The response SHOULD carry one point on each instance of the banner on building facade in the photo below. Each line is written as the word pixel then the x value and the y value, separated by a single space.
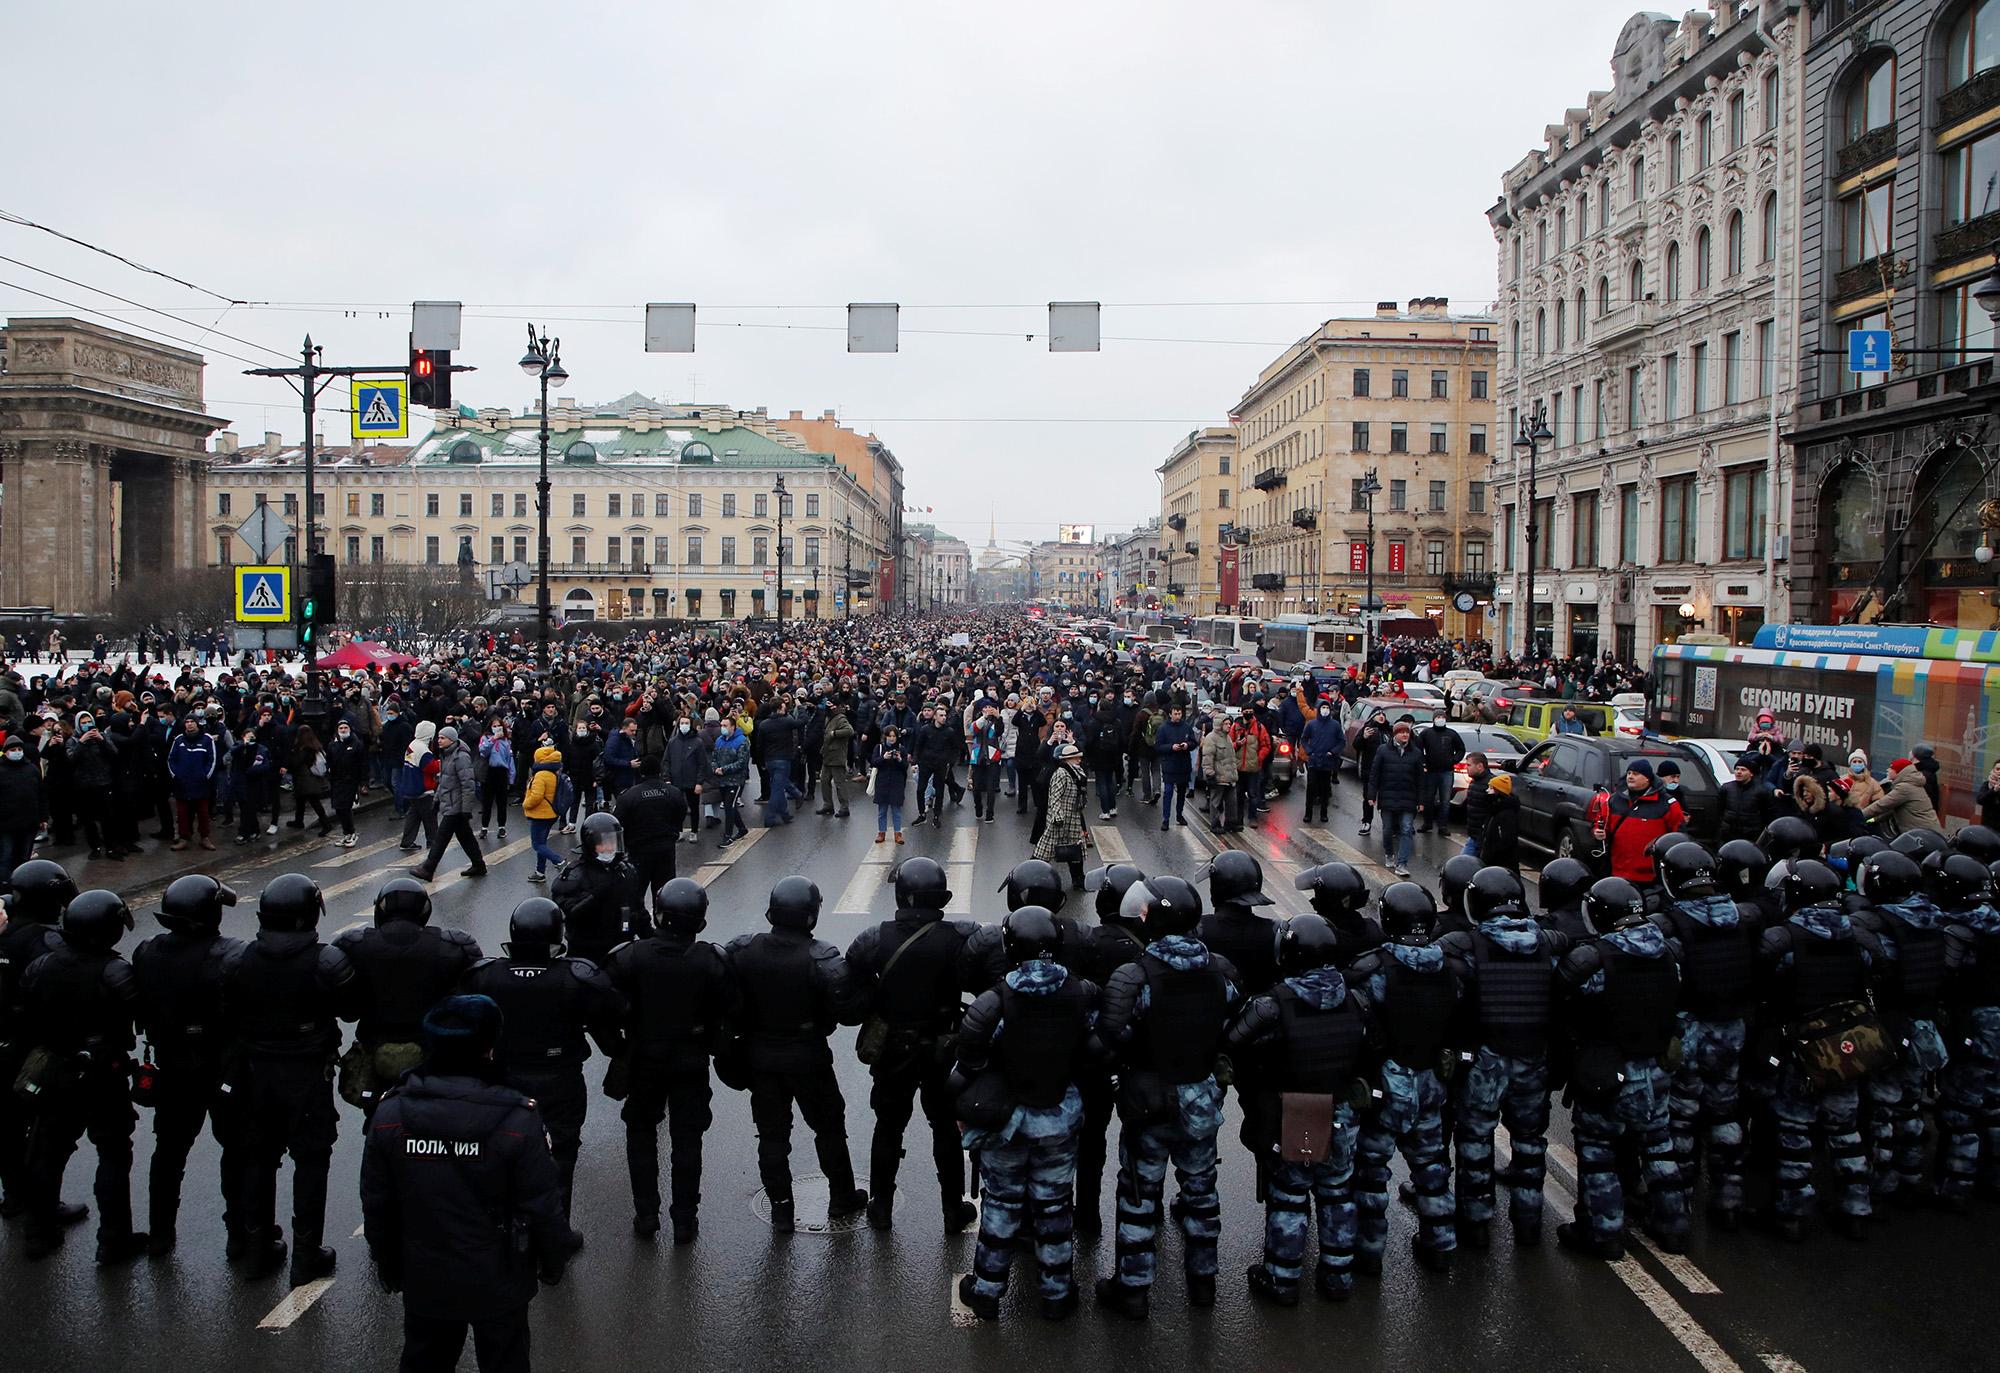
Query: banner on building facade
pixel 1395 555
pixel 1357 556
pixel 1228 577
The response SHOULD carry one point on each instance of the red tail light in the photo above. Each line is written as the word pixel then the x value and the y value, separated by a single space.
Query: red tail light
pixel 1285 749
pixel 1458 767
pixel 1502 702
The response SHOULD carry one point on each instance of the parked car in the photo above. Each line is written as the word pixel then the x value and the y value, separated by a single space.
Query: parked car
pixel 1719 754
pixel 1532 720
pixel 1428 694
pixel 1629 724
pixel 1558 778
pixel 1488 700
pixel 1503 751
pixel 1454 683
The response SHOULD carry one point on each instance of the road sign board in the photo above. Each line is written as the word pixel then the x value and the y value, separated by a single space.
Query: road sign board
pixel 277 636
pixel 1867 350
pixel 381 407
pixel 770 576
pixel 265 531
pixel 263 595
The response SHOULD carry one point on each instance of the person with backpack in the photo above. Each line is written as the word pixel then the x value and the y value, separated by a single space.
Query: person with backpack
pixel 549 794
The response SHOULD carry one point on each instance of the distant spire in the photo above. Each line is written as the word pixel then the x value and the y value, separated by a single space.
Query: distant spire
pixel 992 529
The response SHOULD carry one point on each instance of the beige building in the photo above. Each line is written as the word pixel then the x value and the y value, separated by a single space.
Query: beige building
pixel 1066 573
pixel 1197 493
pixel 656 510
pixel 1408 396
pixel 875 469
pixel 1133 574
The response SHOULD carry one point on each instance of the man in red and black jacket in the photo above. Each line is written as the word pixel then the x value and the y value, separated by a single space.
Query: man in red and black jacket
pixel 1631 822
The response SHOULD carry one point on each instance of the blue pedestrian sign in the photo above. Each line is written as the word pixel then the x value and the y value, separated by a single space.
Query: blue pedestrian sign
pixel 1867 350
pixel 264 595
pixel 381 408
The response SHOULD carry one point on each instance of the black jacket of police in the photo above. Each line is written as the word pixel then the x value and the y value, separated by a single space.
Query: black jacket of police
pixel 285 993
pixel 792 991
pixel 549 1005
pixel 402 969
pixel 678 996
pixel 77 1000
pixel 180 975
pixel 603 904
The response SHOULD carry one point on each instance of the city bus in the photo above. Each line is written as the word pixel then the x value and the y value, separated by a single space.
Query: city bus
pixel 1882 688
pixel 1313 641
pixel 1229 633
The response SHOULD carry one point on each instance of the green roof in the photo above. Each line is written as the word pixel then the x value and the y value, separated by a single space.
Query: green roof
pixel 607 443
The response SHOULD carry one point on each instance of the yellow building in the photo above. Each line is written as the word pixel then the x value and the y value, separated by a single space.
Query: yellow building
pixel 1197 494
pixel 1066 573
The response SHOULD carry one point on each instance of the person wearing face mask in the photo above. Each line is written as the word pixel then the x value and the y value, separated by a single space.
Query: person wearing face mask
pixel 1175 745
pixel 1374 734
pixel 1322 741
pixel 688 768
pixel 347 769
pixel 653 811
pixel 21 804
pixel 192 760
pixel 729 763
pixel 454 802
pixel 1862 788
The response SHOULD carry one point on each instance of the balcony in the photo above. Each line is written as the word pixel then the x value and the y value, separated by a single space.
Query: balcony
pixel 1478 583
pixel 1190 547
pixel 1176 589
pixel 1177 522
pixel 1624 324
pixel 1305 519
pixel 1267 581
pixel 1270 479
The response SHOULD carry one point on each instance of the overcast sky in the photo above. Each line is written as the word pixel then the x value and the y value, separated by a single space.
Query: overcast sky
pixel 569 162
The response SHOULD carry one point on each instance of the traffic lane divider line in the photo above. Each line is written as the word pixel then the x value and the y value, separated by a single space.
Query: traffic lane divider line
pixel 964 844
pixel 296 1303
pixel 1683 1268
pixel 445 883
pixel 347 857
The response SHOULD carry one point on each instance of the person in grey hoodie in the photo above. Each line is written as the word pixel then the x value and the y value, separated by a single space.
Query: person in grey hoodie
pixel 457 795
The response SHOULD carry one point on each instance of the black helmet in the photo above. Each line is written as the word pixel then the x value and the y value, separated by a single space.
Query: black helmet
pixel 1961 881
pixel 794 904
pixel 1977 841
pixel 1408 916
pixel 682 906
pixel 1686 870
pixel 1789 836
pixel 535 928
pixel 1658 849
pixel 97 919
pixel 1919 844
pixel 1111 883
pixel 1887 878
pixel 41 890
pixel 1033 883
pixel 1454 877
pixel 194 903
pixel 922 885
pixel 291 904
pixel 1173 906
pixel 1564 881
pixel 1804 882
pixel 1741 866
pixel 601 835
pixel 1236 876
pixel 404 898
pixel 1613 903
pixel 1305 942
pixel 1337 889
pixel 1132 907
pixel 1493 892
pixel 1031 932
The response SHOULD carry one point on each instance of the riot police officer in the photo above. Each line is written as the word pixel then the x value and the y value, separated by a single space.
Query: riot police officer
pixel 1118 939
pixel 908 969
pixel 1340 897
pixel 677 997
pixel 793 991
pixel 180 976
pixel 1232 928
pixel 1969 1086
pixel 78 999
pixel 1031 882
pixel 1622 987
pixel 1163 1016
pixel 1023 1109
pixel 1564 882
pixel 403 966
pixel 549 1001
pixel 602 895
pixel 285 992
pixel 1413 993
pixel 42 891
pixel 1908 985
pixel 1453 878
pixel 1307 1034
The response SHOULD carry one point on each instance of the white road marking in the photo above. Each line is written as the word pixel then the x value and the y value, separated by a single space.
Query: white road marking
pixel 1280 884
pixel 349 856
pixel 493 859
pixel 1111 846
pixel 297 1302
pixel 1778 1363
pixel 1685 1273
pixel 964 844
pixel 858 896
pixel 1367 863
pixel 359 1231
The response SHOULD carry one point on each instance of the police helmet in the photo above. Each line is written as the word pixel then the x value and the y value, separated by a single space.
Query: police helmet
pixel 97 920
pixel 921 885
pixel 1111 883
pixel 1961 881
pixel 41 891
pixel 601 837
pixel 1408 915
pixel 1305 942
pixel 1789 836
pixel 1564 881
pixel 291 904
pixel 1803 882
pixel 1612 903
pixel 1687 870
pixel 1919 844
pixel 1337 889
pixel 1741 866
pixel 1235 876
pixel 1493 892
pixel 794 904
pixel 1031 932
pixel 1888 878
pixel 1132 906
pixel 1845 855
pixel 404 898
pixel 1033 883
pixel 1173 906
pixel 535 927
pixel 194 903
pixel 682 906
pixel 1662 845
pixel 1978 842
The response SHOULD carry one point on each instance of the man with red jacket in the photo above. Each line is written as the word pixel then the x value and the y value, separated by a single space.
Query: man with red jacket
pixel 1634 818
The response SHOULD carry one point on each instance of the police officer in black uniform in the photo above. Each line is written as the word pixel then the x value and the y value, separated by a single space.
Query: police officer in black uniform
pixel 602 895
pixel 1032 882
pixel 460 1200
pixel 909 969
pixel 550 1001
pixel 678 997
pixel 1453 878
pixel 1340 897
pixel 180 976
pixel 78 999
pixel 1233 928
pixel 285 993
pixel 42 891
pixel 403 966
pixel 1118 939
pixel 1564 882
pixel 793 991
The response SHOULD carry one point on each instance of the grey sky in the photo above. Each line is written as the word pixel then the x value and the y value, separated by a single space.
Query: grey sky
pixel 570 162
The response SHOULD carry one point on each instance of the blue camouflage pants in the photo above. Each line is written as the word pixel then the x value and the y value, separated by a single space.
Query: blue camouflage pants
pixel 1637 1109
pixel 1187 1140
pixel 1410 1116
pixel 1495 1089
pixel 1795 1110
pixel 1707 1092
pixel 1032 1179
pixel 1895 1107
pixel 1294 1189
pixel 1969 1107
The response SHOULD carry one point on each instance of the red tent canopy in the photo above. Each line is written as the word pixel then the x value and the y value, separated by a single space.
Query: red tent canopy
pixel 363 654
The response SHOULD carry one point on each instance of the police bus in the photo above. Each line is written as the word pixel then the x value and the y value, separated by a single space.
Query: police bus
pixel 1313 641
pixel 1228 634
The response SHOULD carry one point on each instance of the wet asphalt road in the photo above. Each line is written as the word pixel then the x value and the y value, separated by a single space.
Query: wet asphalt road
pixel 742 1297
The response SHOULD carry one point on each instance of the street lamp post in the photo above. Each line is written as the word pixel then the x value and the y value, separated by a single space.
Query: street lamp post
pixel 1369 486
pixel 1534 432
pixel 847 571
pixel 778 589
pixel 543 362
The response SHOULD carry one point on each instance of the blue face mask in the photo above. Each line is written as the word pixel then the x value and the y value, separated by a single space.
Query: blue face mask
pixel 1670 786
pixel 1859 768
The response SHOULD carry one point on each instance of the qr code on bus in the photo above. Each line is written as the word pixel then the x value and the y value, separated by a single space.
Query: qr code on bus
pixel 1704 688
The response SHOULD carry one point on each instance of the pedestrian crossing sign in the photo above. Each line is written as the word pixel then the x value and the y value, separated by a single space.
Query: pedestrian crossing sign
pixel 381 408
pixel 264 595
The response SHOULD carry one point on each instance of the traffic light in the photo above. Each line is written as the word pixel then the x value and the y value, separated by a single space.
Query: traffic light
pixel 319 588
pixel 308 622
pixel 430 377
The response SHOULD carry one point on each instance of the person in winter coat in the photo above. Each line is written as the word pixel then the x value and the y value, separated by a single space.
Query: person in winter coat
pixel 1479 799
pixel 1323 741
pixel 583 760
pixel 891 764
pixel 1632 820
pixel 1396 777
pixel 496 757
pixel 1374 734
pixel 729 763
pixel 538 806
pixel 1500 838
pixel 1219 770
pixel 456 797
pixel 347 773
pixel 1862 788
pixel 191 765
pixel 621 757
pixel 836 733
pixel 250 766
pixel 1747 803
pixel 416 784
pixel 687 767
pixel 984 747
pixel 21 804
pixel 310 782
pixel 1906 805
pixel 93 761
pixel 1176 744
pixel 1987 797
pixel 1925 757
pixel 1064 837
pixel 1442 750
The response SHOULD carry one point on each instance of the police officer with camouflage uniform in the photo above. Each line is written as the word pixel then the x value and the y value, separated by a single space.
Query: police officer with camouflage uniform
pixel 403 966
pixel 1908 983
pixel 1969 1086
pixel 1119 938
pixel 1233 929
pixel 41 893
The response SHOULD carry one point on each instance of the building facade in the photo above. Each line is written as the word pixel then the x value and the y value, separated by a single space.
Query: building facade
pixel 880 476
pixel 1197 496
pixel 1066 573
pixel 1406 395
pixel 946 570
pixel 1645 265
pixel 1132 570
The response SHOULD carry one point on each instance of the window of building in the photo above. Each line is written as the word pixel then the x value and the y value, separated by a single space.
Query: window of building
pixel 1634 415
pixel 1735 109
pixel 497 507
pixel 1698 365
pixel 1437 495
pixel 1583 214
pixel 1439 438
pixel 1767 229
pixel 1673 161
pixel 1679 522
pixel 1732 367
pixel 1973 45
pixel 1399 382
pixel 1970 172
pixel 1222 499
pixel 1556 419
pixel 1635 181
pixel 812 505
pixel 812 551
pixel 1434 558
pixel 1440 385
pixel 1732 244
pixel 1541 332
pixel 1870 102
pixel 1767 362
pixel 222 549
pixel 1399 437
pixel 1743 513
pixel 1514 334
pixel 1542 534
pixel 1635 282
pixel 1562 317
pixel 353 504
pixel 465 505
pixel 354 548
pixel 1701 260
pixel 694 505
pixel 614 549
pixel 1479 386
pixel 1604 203
pixel 1603 296
pixel 728 603
pixel 729 550
pixel 785 552
pixel 376 501
pixel 1475 557
pixel 1670 385
pixel 520 548
pixel 1361 373
pixel 496 550
pixel 1628 525
pixel 694 550
pixel 1516 248
pixel 1583 530
pixel 222 505
pixel 614 508
pixel 638 505
pixel 760 505
pixel 1224 469
pixel 1399 494
pixel 577 504
pixel 1597 408
pixel 1475 438
pixel 663 549
pixel 430 504
pixel 431 549
pixel 1961 323
pixel 520 505
pixel 661 509
pixel 1562 227
pixel 1475 498
pixel 1768 100
pixel 1359 442
pixel 1704 141
pixel 1672 275
pixel 1579 315
pixel 1507 538
pixel 1541 242
pixel 760 550
pixel 729 505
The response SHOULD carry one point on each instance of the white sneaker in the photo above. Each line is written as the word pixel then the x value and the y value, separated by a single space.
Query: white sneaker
pixel 350 841
pixel 482 831
pixel 271 828
pixel 1401 871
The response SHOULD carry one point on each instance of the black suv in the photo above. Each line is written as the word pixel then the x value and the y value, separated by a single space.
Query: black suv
pixel 1557 779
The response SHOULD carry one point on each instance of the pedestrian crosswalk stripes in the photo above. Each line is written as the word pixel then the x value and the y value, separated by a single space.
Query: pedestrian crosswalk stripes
pixel 349 857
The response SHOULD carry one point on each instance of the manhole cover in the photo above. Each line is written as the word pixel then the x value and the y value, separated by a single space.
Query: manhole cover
pixel 810 1197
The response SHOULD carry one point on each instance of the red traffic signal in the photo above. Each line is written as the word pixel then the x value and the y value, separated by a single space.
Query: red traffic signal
pixel 430 378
